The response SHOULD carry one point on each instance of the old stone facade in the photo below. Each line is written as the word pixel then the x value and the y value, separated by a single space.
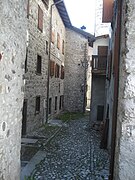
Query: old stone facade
pixel 125 132
pixel 75 71
pixel 36 66
pixel 12 56
pixel 56 87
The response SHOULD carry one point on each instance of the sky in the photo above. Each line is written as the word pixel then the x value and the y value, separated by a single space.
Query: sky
pixel 81 12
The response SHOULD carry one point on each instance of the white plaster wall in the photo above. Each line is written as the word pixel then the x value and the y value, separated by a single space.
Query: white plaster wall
pixel 100 41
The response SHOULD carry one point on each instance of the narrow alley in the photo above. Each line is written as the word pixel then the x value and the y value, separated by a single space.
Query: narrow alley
pixel 74 153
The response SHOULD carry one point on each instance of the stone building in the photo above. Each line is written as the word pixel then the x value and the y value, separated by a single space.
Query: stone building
pixel 120 104
pixel 36 65
pixel 78 45
pixel 12 56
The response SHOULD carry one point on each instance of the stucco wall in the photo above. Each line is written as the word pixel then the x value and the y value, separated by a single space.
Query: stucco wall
pixel 125 143
pixel 74 72
pixel 12 56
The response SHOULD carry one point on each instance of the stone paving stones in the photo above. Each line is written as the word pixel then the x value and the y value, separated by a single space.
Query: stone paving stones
pixel 74 154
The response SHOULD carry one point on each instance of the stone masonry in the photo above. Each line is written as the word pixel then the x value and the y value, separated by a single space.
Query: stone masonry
pixel 76 52
pixel 125 143
pixel 12 56
pixel 58 57
pixel 36 83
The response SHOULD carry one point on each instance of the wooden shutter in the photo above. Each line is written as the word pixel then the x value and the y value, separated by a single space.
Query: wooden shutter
pixel 40 19
pixel 102 50
pixel 53 37
pixel 107 11
pixel 52 66
pixel 58 41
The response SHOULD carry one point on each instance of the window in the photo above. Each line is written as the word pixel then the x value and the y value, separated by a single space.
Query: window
pixel 39 64
pixel 26 60
pixel 52 66
pixel 46 47
pixel 53 37
pixel 37 110
pixel 62 72
pixel 50 105
pixel 46 2
pixel 61 102
pixel 56 103
pixel 63 47
pixel 107 11
pixel 40 19
pixel 28 8
pixel 57 70
pixel 102 50
pixel 58 41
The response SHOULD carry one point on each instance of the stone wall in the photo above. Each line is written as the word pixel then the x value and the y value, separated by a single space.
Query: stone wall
pixel 74 72
pixel 12 55
pixel 57 84
pixel 125 142
pixel 36 84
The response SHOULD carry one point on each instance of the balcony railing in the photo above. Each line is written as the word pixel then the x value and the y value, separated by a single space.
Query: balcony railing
pixel 99 63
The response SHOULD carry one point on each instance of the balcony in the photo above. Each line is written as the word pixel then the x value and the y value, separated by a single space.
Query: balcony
pixel 99 64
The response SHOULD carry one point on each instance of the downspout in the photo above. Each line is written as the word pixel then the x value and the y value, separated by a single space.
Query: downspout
pixel 116 91
pixel 49 57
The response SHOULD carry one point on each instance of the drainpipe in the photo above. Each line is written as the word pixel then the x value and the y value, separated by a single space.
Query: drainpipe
pixel 49 57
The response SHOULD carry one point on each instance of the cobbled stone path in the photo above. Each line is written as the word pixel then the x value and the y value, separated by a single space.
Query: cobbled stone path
pixel 74 154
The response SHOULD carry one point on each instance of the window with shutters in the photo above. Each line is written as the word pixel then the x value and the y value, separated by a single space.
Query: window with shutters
pixel 56 103
pixel 28 8
pixel 40 19
pixel 63 47
pixel 39 64
pixel 52 67
pixel 53 37
pixel 58 41
pixel 57 70
pixel 37 108
pixel 62 72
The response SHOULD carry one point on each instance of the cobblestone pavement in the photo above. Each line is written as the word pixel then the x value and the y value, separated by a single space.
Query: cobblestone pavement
pixel 74 154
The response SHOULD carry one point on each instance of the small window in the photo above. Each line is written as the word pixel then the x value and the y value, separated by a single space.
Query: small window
pixel 52 66
pixel 61 102
pixel 28 8
pixel 63 47
pixel 40 19
pixel 57 71
pixel 50 105
pixel 26 60
pixel 58 41
pixel 39 64
pixel 62 72
pixel 56 103
pixel 46 47
pixel 37 110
